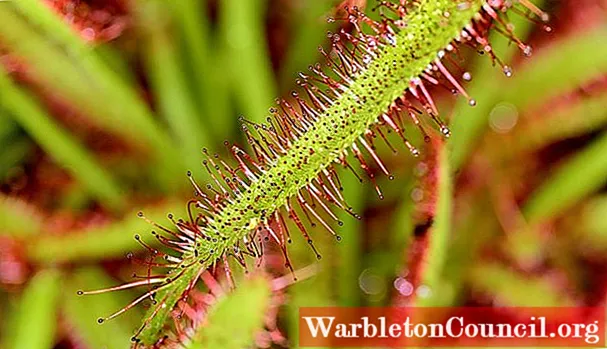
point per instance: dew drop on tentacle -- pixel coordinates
(445, 131)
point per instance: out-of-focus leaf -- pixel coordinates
(403, 226)
(18, 219)
(203, 61)
(165, 68)
(81, 312)
(475, 226)
(318, 288)
(579, 176)
(351, 248)
(59, 143)
(595, 224)
(440, 232)
(47, 21)
(513, 289)
(36, 315)
(71, 69)
(242, 29)
(310, 31)
(579, 118)
(564, 66)
(15, 146)
(111, 241)
(250, 301)
(13, 154)
(7, 126)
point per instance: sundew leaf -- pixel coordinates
(293, 160)
(221, 330)
(35, 319)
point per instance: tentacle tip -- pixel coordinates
(100, 320)
(80, 292)
(445, 131)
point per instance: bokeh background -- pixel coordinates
(104, 106)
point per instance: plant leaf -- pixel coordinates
(250, 301)
(36, 315)
(579, 176)
(18, 219)
(59, 143)
(440, 232)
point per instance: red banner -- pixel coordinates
(452, 327)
